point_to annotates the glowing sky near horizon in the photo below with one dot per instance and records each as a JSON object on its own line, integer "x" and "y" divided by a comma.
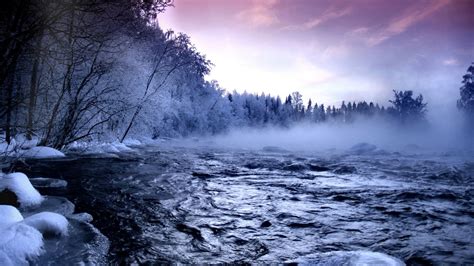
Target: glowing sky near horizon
{"x": 332, "y": 50}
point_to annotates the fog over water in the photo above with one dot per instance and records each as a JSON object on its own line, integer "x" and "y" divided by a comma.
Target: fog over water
{"x": 445, "y": 135}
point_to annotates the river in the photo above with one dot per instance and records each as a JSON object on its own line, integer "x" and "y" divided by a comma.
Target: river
{"x": 205, "y": 204}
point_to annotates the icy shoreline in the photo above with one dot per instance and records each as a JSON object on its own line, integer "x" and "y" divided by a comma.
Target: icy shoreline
{"x": 37, "y": 229}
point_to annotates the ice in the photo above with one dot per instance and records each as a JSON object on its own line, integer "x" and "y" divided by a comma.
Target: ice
{"x": 19, "y": 184}
{"x": 48, "y": 223}
{"x": 41, "y": 152}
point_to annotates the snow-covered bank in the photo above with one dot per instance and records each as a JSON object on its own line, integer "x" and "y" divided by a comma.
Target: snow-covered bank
{"x": 45, "y": 225}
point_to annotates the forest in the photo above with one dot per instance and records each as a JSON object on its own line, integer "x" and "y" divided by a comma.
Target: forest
{"x": 105, "y": 70}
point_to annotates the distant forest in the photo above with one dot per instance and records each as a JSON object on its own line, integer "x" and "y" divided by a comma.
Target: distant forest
{"x": 84, "y": 70}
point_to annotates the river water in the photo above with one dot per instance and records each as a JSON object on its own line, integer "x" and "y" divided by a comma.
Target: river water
{"x": 201, "y": 204}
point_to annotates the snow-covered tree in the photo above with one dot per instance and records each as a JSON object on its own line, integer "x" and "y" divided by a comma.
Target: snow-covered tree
{"x": 466, "y": 101}
{"x": 408, "y": 109}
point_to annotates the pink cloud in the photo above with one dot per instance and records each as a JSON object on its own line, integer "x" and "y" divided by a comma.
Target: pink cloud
{"x": 328, "y": 15}
{"x": 260, "y": 14}
{"x": 402, "y": 23}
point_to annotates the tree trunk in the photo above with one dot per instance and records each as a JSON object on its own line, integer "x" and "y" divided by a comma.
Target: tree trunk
{"x": 131, "y": 123}
{"x": 33, "y": 88}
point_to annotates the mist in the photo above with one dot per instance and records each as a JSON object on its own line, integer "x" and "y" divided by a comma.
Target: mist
{"x": 439, "y": 135}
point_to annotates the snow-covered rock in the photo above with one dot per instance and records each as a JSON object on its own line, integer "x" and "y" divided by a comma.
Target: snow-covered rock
{"x": 48, "y": 223}
{"x": 10, "y": 215}
{"x": 363, "y": 148}
{"x": 351, "y": 258}
{"x": 19, "y": 184}
{"x": 41, "y": 152}
{"x": 18, "y": 241}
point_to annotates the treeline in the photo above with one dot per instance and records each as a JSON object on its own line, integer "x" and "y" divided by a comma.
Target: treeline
{"x": 255, "y": 110}
{"x": 75, "y": 70}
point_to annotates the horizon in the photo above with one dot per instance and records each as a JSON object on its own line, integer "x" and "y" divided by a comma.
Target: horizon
{"x": 332, "y": 51}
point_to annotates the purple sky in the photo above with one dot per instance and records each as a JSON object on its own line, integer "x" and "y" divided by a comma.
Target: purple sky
{"x": 332, "y": 50}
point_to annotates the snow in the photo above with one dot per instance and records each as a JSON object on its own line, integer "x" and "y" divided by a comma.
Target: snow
{"x": 18, "y": 241}
{"x": 24, "y": 143}
{"x": 41, "y": 152}
{"x": 351, "y": 258}
{"x": 7, "y": 148}
{"x": 10, "y": 215}
{"x": 19, "y": 184}
{"x": 375, "y": 258}
{"x": 101, "y": 148}
{"x": 48, "y": 223}
{"x": 132, "y": 142}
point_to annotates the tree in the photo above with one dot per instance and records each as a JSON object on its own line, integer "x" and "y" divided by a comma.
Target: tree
{"x": 466, "y": 101}
{"x": 408, "y": 109}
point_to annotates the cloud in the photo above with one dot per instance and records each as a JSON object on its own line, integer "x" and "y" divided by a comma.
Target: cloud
{"x": 404, "y": 22}
{"x": 329, "y": 14}
{"x": 451, "y": 62}
{"x": 260, "y": 14}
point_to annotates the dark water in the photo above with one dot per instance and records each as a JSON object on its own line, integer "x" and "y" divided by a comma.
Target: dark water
{"x": 192, "y": 205}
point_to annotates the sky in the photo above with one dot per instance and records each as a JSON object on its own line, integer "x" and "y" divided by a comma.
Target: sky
{"x": 332, "y": 50}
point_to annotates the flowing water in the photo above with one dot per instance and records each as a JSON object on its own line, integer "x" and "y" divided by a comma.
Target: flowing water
{"x": 209, "y": 205}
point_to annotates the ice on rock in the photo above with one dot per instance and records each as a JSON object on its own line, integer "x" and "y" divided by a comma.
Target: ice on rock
{"x": 48, "y": 223}
{"x": 19, "y": 184}
{"x": 41, "y": 152}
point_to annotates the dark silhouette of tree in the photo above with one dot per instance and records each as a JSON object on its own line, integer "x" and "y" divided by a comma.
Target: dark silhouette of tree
{"x": 408, "y": 109}
{"x": 466, "y": 102}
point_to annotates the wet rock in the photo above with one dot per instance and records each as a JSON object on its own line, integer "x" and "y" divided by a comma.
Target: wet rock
{"x": 363, "y": 148}
{"x": 345, "y": 169}
{"x": 266, "y": 224}
{"x": 192, "y": 231}
{"x": 7, "y": 197}
{"x": 273, "y": 149}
